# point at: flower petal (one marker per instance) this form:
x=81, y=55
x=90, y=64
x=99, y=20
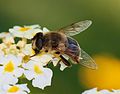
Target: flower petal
x=91, y=91
x=29, y=74
x=39, y=82
x=7, y=79
x=18, y=72
x=63, y=66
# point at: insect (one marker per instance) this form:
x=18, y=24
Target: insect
x=62, y=43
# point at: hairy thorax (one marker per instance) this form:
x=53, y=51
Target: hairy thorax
x=55, y=41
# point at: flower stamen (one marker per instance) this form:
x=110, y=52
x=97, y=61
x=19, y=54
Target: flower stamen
x=13, y=89
x=37, y=69
x=23, y=29
x=9, y=67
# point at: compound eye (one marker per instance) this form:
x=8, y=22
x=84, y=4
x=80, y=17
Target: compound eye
x=39, y=44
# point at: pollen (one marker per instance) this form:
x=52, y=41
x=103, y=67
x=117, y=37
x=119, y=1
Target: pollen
x=23, y=29
x=56, y=55
x=41, y=53
x=26, y=58
x=37, y=69
x=13, y=89
x=33, y=52
x=9, y=67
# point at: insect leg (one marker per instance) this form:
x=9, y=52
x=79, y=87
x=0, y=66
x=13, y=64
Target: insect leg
x=65, y=61
x=36, y=52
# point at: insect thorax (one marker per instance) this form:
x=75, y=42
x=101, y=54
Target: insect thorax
x=54, y=39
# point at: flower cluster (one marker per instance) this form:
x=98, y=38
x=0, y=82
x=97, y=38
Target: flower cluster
x=16, y=61
x=95, y=91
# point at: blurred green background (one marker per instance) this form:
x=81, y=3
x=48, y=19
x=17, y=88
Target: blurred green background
x=103, y=37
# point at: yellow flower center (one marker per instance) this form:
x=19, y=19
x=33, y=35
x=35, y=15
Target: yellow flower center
x=13, y=89
x=37, y=69
x=26, y=58
x=9, y=67
x=23, y=29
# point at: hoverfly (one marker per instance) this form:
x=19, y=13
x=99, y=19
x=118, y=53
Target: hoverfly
x=62, y=43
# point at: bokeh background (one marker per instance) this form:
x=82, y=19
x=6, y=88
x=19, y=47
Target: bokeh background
x=101, y=40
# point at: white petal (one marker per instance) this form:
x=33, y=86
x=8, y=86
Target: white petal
x=1, y=69
x=29, y=64
x=116, y=91
x=28, y=50
x=29, y=74
x=45, y=30
x=2, y=60
x=55, y=61
x=48, y=72
x=63, y=66
x=33, y=26
x=43, y=59
x=16, y=60
x=8, y=79
x=65, y=56
x=18, y=72
x=3, y=34
x=43, y=80
x=39, y=82
x=16, y=27
x=24, y=87
x=1, y=53
x=21, y=92
x=105, y=92
x=91, y=91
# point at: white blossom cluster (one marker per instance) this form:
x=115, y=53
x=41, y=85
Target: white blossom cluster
x=16, y=61
x=95, y=91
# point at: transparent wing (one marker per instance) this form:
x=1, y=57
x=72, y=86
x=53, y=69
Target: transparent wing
x=75, y=28
x=87, y=61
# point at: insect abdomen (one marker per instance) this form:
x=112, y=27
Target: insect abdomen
x=73, y=49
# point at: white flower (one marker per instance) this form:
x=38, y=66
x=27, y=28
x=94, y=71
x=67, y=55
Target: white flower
x=45, y=30
x=63, y=66
x=91, y=91
x=27, y=50
x=6, y=79
x=95, y=91
x=57, y=60
x=40, y=76
x=43, y=58
x=10, y=65
x=21, y=44
x=3, y=34
x=15, y=89
x=7, y=38
x=25, y=32
x=11, y=49
x=8, y=49
x=3, y=46
x=1, y=53
x=116, y=91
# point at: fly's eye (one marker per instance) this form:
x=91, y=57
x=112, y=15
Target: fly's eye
x=39, y=44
